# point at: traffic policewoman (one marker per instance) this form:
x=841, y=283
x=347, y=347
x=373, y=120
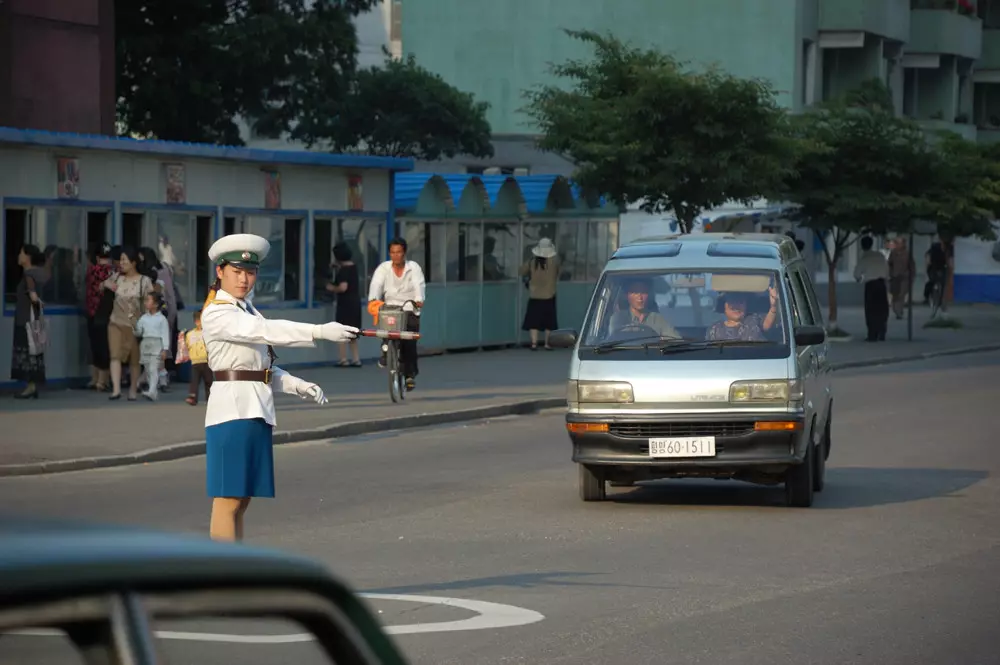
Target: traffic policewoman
x=240, y=417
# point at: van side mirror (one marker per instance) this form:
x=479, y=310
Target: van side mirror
x=809, y=335
x=562, y=339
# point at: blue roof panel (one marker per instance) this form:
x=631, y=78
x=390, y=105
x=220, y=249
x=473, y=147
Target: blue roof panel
x=407, y=190
x=34, y=137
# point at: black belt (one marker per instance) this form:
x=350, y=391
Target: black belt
x=259, y=375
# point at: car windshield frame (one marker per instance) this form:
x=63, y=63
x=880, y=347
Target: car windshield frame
x=596, y=343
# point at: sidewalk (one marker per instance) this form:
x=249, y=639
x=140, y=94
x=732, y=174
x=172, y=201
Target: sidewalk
x=74, y=424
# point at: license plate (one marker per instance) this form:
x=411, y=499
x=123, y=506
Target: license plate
x=701, y=446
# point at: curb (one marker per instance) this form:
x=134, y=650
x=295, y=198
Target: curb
x=194, y=448
x=356, y=428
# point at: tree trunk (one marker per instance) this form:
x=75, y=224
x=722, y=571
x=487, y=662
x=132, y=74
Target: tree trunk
x=831, y=294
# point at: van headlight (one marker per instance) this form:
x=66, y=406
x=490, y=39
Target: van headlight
x=605, y=392
x=778, y=391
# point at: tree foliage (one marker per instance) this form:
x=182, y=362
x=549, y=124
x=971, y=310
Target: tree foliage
x=964, y=196
x=399, y=110
x=640, y=126
x=188, y=68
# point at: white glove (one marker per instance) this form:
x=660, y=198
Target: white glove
x=311, y=391
x=335, y=332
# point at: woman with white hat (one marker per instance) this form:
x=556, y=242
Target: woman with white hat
x=240, y=417
x=543, y=278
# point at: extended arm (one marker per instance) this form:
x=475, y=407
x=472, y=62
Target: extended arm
x=293, y=385
x=229, y=323
x=421, y=283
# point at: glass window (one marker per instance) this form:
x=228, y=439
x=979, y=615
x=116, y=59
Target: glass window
x=15, y=236
x=61, y=235
x=572, y=244
x=807, y=311
x=602, y=241
x=464, y=248
x=323, y=270
x=366, y=238
x=425, y=245
x=280, y=274
x=500, y=252
x=689, y=311
x=172, y=236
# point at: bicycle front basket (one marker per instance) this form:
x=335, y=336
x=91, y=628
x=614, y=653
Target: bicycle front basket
x=392, y=319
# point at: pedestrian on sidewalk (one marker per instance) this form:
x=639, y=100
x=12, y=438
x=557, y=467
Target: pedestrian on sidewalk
x=542, y=272
x=346, y=285
x=130, y=289
x=26, y=366
x=240, y=418
x=194, y=349
x=98, y=304
x=153, y=332
x=873, y=269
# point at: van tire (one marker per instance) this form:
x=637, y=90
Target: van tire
x=593, y=486
x=799, y=481
x=819, y=467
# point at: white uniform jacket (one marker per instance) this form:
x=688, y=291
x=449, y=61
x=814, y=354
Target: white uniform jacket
x=236, y=337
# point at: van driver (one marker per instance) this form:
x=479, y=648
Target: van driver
x=637, y=291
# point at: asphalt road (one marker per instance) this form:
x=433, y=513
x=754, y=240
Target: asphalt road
x=896, y=563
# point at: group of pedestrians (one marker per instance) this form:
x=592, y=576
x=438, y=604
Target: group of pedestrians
x=888, y=280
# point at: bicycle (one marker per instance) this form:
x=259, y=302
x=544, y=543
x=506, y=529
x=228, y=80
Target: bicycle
x=392, y=322
x=937, y=295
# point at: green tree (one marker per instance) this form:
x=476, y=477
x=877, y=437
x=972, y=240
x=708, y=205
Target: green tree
x=398, y=110
x=863, y=170
x=187, y=68
x=964, y=196
x=641, y=126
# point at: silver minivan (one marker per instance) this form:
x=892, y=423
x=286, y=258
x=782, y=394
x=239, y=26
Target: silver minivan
x=701, y=356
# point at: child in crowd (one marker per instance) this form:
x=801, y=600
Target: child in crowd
x=195, y=351
x=153, y=330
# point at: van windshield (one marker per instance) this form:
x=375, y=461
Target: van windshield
x=713, y=313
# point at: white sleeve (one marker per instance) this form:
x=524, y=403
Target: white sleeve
x=165, y=332
x=421, y=283
x=229, y=323
x=375, y=289
x=284, y=382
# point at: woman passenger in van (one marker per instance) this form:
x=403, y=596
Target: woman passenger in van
x=738, y=325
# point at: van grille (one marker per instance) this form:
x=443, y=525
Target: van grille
x=667, y=430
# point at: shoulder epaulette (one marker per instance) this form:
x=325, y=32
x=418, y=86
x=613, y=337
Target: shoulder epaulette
x=221, y=302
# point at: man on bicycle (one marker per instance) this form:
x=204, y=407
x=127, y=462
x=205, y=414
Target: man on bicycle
x=394, y=282
x=937, y=271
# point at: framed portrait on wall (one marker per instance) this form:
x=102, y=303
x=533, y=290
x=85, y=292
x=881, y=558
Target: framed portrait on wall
x=67, y=178
x=355, y=193
x=272, y=190
x=175, y=183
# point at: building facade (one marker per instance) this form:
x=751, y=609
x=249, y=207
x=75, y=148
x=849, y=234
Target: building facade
x=57, y=65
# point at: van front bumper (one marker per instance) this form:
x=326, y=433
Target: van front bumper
x=739, y=441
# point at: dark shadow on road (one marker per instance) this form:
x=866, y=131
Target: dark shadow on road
x=851, y=487
x=522, y=581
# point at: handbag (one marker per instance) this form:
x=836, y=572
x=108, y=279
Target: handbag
x=183, y=355
x=38, y=331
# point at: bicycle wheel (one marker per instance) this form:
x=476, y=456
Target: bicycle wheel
x=936, y=294
x=395, y=376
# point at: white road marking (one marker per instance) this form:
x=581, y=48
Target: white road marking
x=488, y=615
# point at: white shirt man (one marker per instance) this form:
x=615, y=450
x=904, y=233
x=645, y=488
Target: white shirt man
x=394, y=282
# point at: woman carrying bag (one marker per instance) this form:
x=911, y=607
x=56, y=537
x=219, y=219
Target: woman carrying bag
x=30, y=329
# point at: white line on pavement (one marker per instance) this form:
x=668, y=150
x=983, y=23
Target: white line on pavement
x=488, y=615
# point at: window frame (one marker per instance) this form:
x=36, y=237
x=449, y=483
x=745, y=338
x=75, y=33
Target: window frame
x=31, y=236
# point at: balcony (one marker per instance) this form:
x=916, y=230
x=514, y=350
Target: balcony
x=946, y=32
x=886, y=18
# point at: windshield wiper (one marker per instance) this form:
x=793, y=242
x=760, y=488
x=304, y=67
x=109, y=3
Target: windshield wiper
x=622, y=344
x=708, y=344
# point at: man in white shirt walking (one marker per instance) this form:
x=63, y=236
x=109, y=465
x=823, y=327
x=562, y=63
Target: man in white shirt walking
x=395, y=281
x=874, y=270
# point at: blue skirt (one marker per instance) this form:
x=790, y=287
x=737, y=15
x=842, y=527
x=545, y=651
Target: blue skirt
x=240, y=459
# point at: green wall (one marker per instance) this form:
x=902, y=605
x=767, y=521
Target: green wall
x=496, y=49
